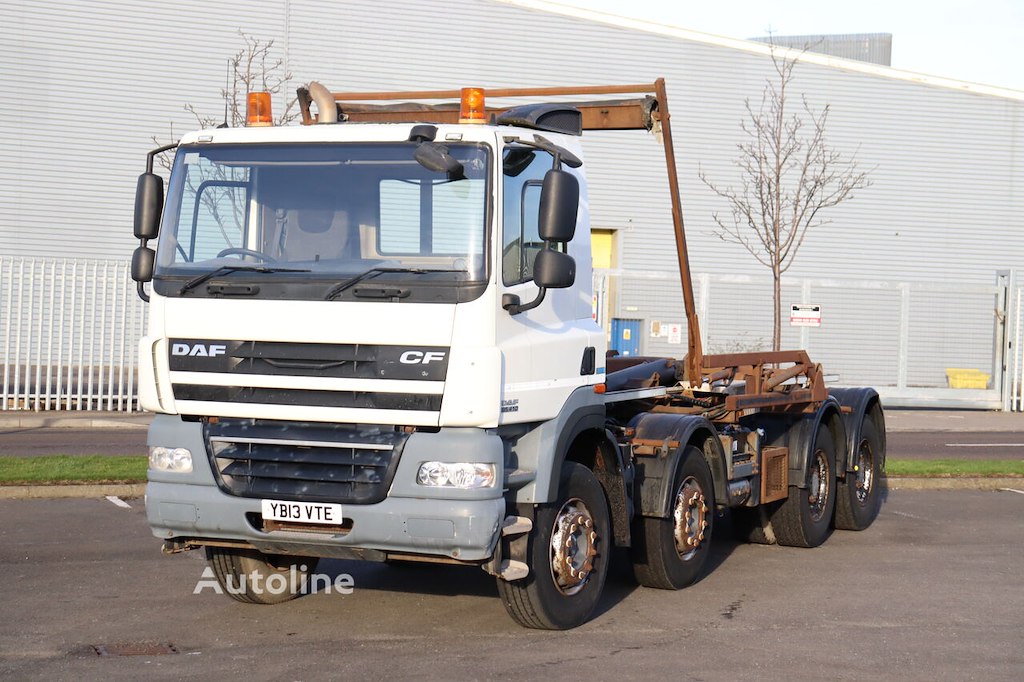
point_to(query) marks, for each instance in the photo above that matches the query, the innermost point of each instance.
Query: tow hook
(176, 547)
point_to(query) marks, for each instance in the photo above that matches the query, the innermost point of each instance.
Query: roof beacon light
(257, 112)
(472, 106)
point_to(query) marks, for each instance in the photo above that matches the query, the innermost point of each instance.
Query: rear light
(257, 112)
(471, 109)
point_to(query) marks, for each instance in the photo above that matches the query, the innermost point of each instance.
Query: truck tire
(753, 524)
(670, 553)
(860, 494)
(805, 518)
(568, 551)
(244, 574)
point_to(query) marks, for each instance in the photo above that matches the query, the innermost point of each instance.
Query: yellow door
(601, 248)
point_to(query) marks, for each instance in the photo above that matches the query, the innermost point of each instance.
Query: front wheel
(860, 494)
(253, 577)
(568, 551)
(804, 519)
(670, 553)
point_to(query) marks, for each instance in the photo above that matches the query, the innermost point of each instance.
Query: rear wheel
(253, 577)
(568, 551)
(804, 519)
(860, 494)
(670, 553)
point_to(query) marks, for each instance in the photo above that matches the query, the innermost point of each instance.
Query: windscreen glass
(321, 213)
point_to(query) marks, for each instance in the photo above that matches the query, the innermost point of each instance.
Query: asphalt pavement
(931, 591)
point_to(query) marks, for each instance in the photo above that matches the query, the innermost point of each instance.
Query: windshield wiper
(348, 283)
(225, 269)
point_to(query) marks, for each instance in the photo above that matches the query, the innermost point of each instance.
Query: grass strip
(58, 469)
(955, 468)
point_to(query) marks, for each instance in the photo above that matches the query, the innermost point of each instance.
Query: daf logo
(199, 350)
(418, 357)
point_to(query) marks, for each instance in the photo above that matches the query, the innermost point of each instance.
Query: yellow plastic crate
(967, 378)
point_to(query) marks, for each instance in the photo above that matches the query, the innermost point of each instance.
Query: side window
(214, 210)
(399, 216)
(523, 176)
(425, 218)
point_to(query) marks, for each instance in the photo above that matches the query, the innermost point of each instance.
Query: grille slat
(333, 464)
(280, 453)
(304, 472)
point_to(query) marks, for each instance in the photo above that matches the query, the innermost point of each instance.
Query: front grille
(303, 461)
(337, 360)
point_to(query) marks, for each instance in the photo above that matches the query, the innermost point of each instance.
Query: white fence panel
(69, 330)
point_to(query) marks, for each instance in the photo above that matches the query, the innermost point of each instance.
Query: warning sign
(804, 315)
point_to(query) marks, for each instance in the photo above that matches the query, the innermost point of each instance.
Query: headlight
(463, 475)
(177, 460)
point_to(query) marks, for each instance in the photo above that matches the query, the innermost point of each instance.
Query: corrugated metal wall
(875, 48)
(90, 83)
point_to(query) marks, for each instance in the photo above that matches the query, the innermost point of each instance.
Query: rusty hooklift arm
(637, 114)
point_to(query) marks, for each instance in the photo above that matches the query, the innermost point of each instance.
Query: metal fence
(69, 331)
(918, 343)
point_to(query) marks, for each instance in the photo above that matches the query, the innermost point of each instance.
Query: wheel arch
(859, 404)
(799, 436)
(655, 474)
(596, 449)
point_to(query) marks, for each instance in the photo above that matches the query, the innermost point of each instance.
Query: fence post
(903, 354)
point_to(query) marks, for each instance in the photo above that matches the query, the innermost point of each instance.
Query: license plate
(302, 512)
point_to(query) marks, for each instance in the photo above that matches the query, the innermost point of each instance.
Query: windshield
(300, 219)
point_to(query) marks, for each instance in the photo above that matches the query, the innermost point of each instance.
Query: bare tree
(252, 68)
(790, 175)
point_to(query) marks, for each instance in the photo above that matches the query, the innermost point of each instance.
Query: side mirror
(554, 270)
(551, 270)
(559, 203)
(149, 201)
(142, 264)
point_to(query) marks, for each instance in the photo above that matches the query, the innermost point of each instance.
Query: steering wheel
(238, 251)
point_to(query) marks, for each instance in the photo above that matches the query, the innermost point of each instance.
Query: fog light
(177, 460)
(464, 475)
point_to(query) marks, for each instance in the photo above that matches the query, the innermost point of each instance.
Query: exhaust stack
(327, 110)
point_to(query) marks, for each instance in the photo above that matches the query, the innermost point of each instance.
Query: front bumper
(457, 524)
(466, 530)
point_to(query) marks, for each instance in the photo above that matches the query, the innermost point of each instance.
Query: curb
(39, 492)
(906, 483)
(101, 421)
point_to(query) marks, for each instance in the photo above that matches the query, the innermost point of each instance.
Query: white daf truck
(370, 337)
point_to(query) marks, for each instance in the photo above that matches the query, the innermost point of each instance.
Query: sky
(980, 41)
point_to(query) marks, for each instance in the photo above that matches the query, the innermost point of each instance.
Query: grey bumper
(458, 524)
(459, 529)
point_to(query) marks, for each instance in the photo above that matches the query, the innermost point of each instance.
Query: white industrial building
(906, 274)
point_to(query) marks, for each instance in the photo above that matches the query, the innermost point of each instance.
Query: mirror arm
(159, 150)
(510, 302)
(140, 288)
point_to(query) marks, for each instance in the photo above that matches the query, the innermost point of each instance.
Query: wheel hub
(865, 471)
(817, 487)
(691, 520)
(573, 546)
